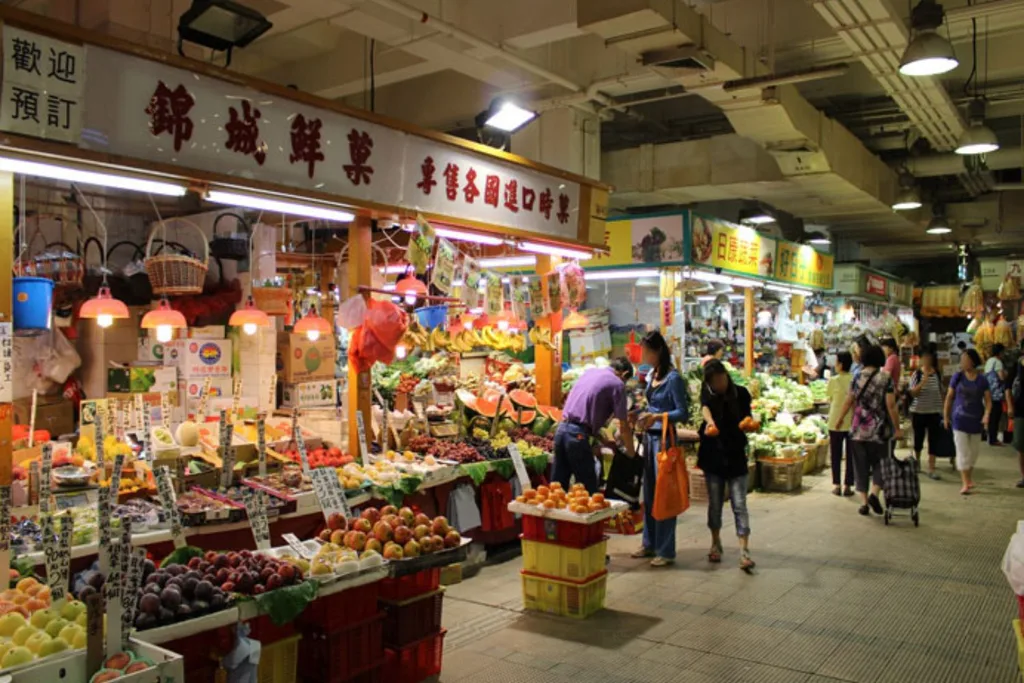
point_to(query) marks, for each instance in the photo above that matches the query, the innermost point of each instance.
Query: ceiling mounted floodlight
(505, 115)
(220, 25)
(755, 216)
(938, 225)
(928, 53)
(908, 198)
(977, 138)
(818, 239)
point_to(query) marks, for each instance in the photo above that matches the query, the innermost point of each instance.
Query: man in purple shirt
(597, 396)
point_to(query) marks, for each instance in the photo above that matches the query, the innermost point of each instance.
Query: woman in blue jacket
(667, 398)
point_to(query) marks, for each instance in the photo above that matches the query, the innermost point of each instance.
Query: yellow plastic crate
(279, 661)
(563, 598)
(563, 562)
(1020, 645)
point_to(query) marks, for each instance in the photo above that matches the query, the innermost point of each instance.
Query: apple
(383, 532)
(407, 516)
(437, 542)
(440, 526)
(421, 519)
(452, 539)
(393, 551)
(336, 521)
(388, 510)
(411, 549)
(357, 541)
(374, 545)
(325, 535)
(421, 532)
(403, 535)
(338, 536)
(392, 520)
(363, 525)
(372, 514)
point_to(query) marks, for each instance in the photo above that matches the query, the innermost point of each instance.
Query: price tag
(33, 480)
(386, 419)
(236, 399)
(50, 554)
(136, 416)
(295, 544)
(103, 522)
(6, 363)
(129, 603)
(329, 492)
(165, 409)
(121, 416)
(58, 583)
(169, 502)
(5, 518)
(300, 443)
(520, 465)
(256, 508)
(147, 435)
(364, 446)
(94, 632)
(45, 477)
(115, 475)
(261, 442)
(223, 431)
(204, 397)
(112, 586)
(32, 420)
(273, 391)
(227, 470)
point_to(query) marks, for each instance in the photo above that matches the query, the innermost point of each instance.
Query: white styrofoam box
(150, 349)
(165, 380)
(207, 332)
(317, 394)
(190, 390)
(199, 357)
(584, 348)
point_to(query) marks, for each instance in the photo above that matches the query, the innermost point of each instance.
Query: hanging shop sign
(139, 108)
(995, 270)
(44, 81)
(854, 279)
(645, 241)
(735, 248)
(802, 264)
(875, 285)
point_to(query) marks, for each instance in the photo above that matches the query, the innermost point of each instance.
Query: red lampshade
(411, 288)
(483, 321)
(162, 316)
(249, 315)
(505, 320)
(312, 325)
(103, 308)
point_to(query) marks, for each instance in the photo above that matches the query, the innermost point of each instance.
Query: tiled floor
(836, 597)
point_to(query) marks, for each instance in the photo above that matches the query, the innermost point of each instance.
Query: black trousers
(836, 442)
(926, 424)
(992, 433)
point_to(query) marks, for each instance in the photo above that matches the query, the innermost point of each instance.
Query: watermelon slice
(527, 416)
(523, 399)
(550, 412)
(465, 397)
(488, 409)
(506, 407)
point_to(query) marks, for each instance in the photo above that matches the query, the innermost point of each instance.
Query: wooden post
(748, 329)
(796, 307)
(6, 407)
(360, 259)
(549, 361)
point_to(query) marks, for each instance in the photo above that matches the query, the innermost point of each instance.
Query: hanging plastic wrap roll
(1009, 289)
(1003, 334)
(973, 300)
(984, 338)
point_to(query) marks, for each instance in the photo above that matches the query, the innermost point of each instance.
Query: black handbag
(625, 478)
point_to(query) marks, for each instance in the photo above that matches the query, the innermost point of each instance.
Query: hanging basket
(231, 246)
(272, 300)
(176, 274)
(57, 263)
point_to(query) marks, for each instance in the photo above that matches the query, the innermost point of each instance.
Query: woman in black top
(723, 456)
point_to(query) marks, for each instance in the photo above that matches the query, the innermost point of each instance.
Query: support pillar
(748, 331)
(548, 362)
(6, 304)
(359, 265)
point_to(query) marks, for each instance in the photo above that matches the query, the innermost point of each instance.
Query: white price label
(256, 508)
(169, 502)
(223, 432)
(147, 434)
(100, 439)
(272, 402)
(57, 555)
(103, 514)
(129, 603)
(300, 443)
(295, 544)
(112, 586)
(115, 475)
(45, 477)
(236, 399)
(227, 470)
(364, 446)
(329, 492)
(5, 518)
(138, 408)
(204, 397)
(520, 465)
(6, 363)
(165, 409)
(261, 442)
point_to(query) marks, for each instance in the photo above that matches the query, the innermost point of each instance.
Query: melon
(526, 417)
(506, 407)
(523, 399)
(507, 425)
(542, 425)
(550, 412)
(188, 434)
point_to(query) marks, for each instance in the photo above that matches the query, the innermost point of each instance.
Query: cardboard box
(55, 414)
(318, 394)
(158, 379)
(301, 360)
(190, 389)
(151, 350)
(118, 381)
(196, 358)
(208, 332)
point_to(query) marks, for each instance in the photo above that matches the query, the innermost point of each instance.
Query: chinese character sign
(801, 264)
(734, 248)
(43, 87)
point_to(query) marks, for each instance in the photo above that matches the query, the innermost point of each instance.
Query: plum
(189, 589)
(184, 610)
(170, 598)
(166, 616)
(218, 600)
(200, 606)
(204, 590)
(148, 567)
(152, 588)
(143, 621)
(150, 604)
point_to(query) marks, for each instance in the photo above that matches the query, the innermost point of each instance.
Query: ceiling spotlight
(928, 53)
(505, 115)
(977, 138)
(220, 25)
(938, 226)
(755, 216)
(907, 200)
(818, 239)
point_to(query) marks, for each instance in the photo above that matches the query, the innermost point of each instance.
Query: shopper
(838, 390)
(875, 422)
(892, 360)
(716, 351)
(967, 410)
(597, 396)
(926, 407)
(723, 457)
(1016, 414)
(996, 375)
(858, 345)
(667, 399)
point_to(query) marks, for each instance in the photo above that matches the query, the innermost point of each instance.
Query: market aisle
(837, 597)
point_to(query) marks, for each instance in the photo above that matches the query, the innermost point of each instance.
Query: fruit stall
(244, 410)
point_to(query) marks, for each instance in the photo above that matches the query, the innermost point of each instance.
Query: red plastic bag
(672, 487)
(386, 321)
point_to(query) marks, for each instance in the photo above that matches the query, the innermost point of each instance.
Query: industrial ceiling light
(312, 325)
(757, 216)
(928, 53)
(505, 115)
(978, 138)
(83, 177)
(264, 203)
(818, 239)
(907, 199)
(103, 308)
(249, 318)
(938, 225)
(220, 25)
(164, 320)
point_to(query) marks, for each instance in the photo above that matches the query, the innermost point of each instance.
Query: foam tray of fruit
(573, 506)
(198, 508)
(236, 494)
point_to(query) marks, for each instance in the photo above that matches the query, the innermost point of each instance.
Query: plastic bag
(672, 485)
(352, 312)
(385, 321)
(1013, 561)
(60, 359)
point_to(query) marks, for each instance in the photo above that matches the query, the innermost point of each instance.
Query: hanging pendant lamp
(575, 321)
(164, 320)
(103, 308)
(312, 325)
(249, 318)
(410, 287)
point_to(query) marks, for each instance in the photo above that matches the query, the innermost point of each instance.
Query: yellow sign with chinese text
(734, 248)
(801, 264)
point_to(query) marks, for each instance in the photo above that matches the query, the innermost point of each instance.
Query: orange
(594, 507)
(8, 595)
(529, 494)
(34, 605)
(549, 504)
(34, 590)
(26, 582)
(20, 599)
(598, 498)
(556, 486)
(543, 491)
(43, 594)
(520, 499)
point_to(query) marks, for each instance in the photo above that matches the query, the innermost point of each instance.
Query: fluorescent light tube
(278, 206)
(75, 175)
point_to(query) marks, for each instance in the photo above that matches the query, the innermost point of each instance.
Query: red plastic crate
(559, 532)
(415, 662)
(410, 586)
(341, 610)
(341, 655)
(412, 620)
(264, 630)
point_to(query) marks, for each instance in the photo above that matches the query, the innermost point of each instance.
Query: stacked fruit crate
(413, 638)
(564, 566)
(342, 638)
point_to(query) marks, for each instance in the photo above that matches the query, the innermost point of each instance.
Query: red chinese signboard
(875, 284)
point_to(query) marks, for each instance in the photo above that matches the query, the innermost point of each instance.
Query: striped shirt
(930, 399)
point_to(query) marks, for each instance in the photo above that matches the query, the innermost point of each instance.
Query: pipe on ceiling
(953, 164)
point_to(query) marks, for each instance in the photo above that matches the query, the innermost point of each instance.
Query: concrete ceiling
(827, 151)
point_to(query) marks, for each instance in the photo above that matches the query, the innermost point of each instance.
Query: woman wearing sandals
(926, 407)
(967, 409)
(723, 456)
(666, 400)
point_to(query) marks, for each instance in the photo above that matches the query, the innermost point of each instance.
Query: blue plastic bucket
(432, 316)
(33, 301)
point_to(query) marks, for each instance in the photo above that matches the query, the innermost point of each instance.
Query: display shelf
(189, 627)
(144, 538)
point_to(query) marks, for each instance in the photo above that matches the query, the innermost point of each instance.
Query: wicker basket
(272, 300)
(782, 474)
(233, 246)
(176, 274)
(57, 262)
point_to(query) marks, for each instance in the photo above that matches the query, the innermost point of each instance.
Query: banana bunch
(415, 336)
(465, 341)
(541, 336)
(503, 341)
(439, 339)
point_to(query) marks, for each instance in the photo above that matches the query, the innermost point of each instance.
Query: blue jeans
(659, 535)
(574, 458)
(737, 500)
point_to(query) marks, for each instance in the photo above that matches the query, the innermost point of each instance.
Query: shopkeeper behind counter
(597, 396)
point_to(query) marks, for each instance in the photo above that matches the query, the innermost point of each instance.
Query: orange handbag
(672, 483)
